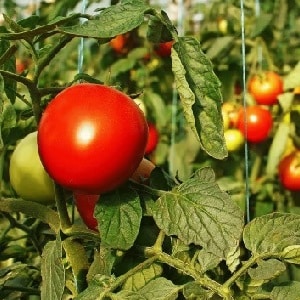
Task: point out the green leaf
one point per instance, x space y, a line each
96 289
119 214
272 233
199 91
277 148
52 271
103 262
158 289
198 212
219 45
193 290
267 270
288 290
260 24
292 80
114 20
157 31
207 260
291 254
141 278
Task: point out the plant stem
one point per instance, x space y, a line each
240 271
189 270
61 206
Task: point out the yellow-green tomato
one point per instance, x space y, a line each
234 139
27 174
226 120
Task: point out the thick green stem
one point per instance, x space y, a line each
61 206
188 269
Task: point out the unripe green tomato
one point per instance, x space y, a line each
234 139
27 174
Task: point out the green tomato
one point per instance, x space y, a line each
234 139
27 174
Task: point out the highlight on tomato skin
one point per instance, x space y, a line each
97 144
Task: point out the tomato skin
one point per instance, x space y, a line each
27 174
265 88
91 138
289 171
164 49
258 122
153 138
85 205
234 139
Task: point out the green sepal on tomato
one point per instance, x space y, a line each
255 122
91 138
266 87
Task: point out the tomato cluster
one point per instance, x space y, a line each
253 123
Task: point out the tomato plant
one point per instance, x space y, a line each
153 138
103 141
266 87
234 139
255 123
86 203
289 171
27 174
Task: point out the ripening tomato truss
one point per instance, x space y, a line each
91 138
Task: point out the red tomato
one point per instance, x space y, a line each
266 87
85 206
255 123
289 171
153 138
163 49
91 138
118 43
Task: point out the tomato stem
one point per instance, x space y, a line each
65 221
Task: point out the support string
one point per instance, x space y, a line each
81 43
246 157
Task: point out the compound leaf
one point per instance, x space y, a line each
198 212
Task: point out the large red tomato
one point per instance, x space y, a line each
266 87
91 138
153 138
255 122
289 171
85 206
